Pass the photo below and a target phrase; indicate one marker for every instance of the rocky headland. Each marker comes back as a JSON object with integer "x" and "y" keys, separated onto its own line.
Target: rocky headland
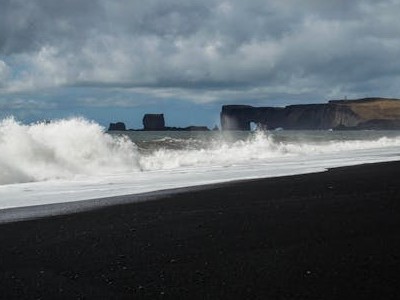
{"x": 360, "y": 114}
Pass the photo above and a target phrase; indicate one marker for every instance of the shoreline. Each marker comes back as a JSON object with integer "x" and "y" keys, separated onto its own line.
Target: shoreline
{"x": 47, "y": 210}
{"x": 329, "y": 235}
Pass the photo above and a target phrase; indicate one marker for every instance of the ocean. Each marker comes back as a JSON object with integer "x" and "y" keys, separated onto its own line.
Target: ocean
{"x": 76, "y": 159}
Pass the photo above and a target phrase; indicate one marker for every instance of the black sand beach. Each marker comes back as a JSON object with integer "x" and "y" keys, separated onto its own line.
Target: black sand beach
{"x": 330, "y": 235}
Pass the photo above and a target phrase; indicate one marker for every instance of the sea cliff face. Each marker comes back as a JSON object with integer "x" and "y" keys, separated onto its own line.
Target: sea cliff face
{"x": 367, "y": 113}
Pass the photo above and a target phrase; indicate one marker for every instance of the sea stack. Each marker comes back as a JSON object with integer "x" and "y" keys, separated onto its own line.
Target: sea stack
{"x": 153, "y": 122}
{"x": 119, "y": 126}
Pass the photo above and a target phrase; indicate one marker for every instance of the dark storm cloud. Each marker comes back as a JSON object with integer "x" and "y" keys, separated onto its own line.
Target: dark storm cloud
{"x": 29, "y": 25}
{"x": 205, "y": 50}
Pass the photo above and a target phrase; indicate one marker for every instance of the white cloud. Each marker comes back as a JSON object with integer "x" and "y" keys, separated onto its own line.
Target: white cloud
{"x": 203, "y": 50}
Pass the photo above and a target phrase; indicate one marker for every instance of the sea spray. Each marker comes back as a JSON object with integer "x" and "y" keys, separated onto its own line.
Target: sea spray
{"x": 61, "y": 149}
{"x": 90, "y": 163}
{"x": 257, "y": 147}
{"x": 218, "y": 152}
{"x": 77, "y": 148}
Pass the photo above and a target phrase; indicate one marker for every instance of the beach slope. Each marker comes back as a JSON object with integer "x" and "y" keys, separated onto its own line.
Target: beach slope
{"x": 330, "y": 235}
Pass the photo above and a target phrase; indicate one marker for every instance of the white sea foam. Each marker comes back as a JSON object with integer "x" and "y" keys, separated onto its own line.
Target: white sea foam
{"x": 259, "y": 147}
{"x": 74, "y": 159}
{"x": 218, "y": 153}
{"x": 61, "y": 150}
{"x": 65, "y": 149}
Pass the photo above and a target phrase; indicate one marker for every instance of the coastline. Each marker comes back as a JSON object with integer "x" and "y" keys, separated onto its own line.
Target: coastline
{"x": 332, "y": 234}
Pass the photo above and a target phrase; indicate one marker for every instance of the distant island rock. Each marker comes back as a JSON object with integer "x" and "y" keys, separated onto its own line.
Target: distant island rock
{"x": 119, "y": 126}
{"x": 359, "y": 114}
{"x": 153, "y": 122}
{"x": 156, "y": 122}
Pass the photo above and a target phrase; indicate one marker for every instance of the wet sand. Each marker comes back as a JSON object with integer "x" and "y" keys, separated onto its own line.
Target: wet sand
{"x": 331, "y": 235}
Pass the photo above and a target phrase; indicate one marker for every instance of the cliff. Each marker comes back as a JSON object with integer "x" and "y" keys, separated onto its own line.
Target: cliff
{"x": 367, "y": 113}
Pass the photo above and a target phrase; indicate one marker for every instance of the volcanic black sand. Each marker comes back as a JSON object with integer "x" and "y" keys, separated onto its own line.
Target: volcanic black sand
{"x": 330, "y": 235}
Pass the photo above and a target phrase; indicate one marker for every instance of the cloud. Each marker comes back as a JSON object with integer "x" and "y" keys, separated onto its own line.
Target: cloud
{"x": 202, "y": 51}
{"x": 24, "y": 104}
{"x": 4, "y": 73}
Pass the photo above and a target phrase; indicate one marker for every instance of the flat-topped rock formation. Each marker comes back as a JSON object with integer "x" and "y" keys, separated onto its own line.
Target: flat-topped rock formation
{"x": 367, "y": 113}
{"x": 153, "y": 122}
{"x": 119, "y": 126}
{"x": 156, "y": 122}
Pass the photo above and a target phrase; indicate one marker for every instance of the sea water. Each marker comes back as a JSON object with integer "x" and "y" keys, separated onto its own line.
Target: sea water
{"x": 76, "y": 159}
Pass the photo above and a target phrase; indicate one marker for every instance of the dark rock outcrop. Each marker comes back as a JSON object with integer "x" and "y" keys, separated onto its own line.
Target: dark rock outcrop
{"x": 189, "y": 128}
{"x": 153, "y": 122}
{"x": 156, "y": 122}
{"x": 368, "y": 113}
{"x": 196, "y": 128}
{"x": 119, "y": 126}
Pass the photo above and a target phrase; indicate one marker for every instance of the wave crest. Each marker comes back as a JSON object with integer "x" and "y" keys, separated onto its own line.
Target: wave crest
{"x": 61, "y": 149}
{"x": 68, "y": 149}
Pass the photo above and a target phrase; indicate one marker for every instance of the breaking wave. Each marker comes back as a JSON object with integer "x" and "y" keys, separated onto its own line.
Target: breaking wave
{"x": 60, "y": 150}
{"x": 260, "y": 147}
{"x": 67, "y": 149}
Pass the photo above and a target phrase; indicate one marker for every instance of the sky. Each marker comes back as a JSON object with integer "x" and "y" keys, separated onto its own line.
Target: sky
{"x": 115, "y": 60}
